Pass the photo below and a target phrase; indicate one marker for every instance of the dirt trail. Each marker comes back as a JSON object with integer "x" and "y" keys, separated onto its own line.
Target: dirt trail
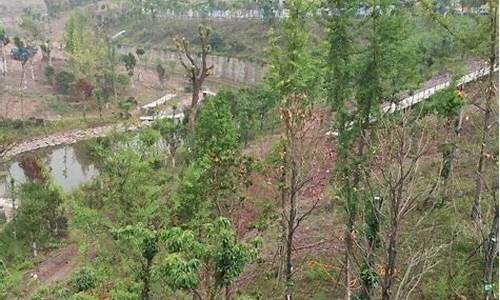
{"x": 54, "y": 268}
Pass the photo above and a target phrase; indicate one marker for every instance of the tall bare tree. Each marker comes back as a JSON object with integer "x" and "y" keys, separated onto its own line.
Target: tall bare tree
{"x": 195, "y": 70}
{"x": 293, "y": 77}
{"x": 490, "y": 239}
{"x": 397, "y": 188}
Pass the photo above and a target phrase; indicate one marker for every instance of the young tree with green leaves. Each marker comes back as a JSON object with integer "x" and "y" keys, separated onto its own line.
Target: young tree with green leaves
{"x": 85, "y": 61}
{"x": 40, "y": 214}
{"x": 384, "y": 67}
{"x": 146, "y": 242}
{"x": 293, "y": 77}
{"x": 339, "y": 88}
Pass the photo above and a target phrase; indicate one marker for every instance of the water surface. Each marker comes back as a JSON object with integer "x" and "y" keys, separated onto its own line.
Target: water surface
{"x": 69, "y": 167}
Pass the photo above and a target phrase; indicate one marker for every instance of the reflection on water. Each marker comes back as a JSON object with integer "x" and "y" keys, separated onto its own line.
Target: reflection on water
{"x": 69, "y": 167}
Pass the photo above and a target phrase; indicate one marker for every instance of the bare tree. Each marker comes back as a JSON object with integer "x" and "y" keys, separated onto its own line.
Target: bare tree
{"x": 487, "y": 109}
{"x": 397, "y": 179}
{"x": 197, "y": 72}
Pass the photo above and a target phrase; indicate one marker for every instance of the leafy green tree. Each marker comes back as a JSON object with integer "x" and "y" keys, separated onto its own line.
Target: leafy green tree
{"x": 217, "y": 170}
{"x": 252, "y": 108}
{"x": 147, "y": 243}
{"x": 130, "y": 62}
{"x": 99, "y": 97}
{"x": 219, "y": 253}
{"x": 386, "y": 68}
{"x": 490, "y": 239}
{"x": 40, "y": 215}
{"x": 78, "y": 35}
{"x": 210, "y": 188}
{"x": 129, "y": 187}
{"x": 215, "y": 135}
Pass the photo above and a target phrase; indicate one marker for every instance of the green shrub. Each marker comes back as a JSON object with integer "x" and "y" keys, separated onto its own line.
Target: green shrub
{"x": 84, "y": 279}
{"x": 123, "y": 295}
{"x": 125, "y": 291}
{"x": 50, "y": 74}
{"x": 64, "y": 81}
{"x": 216, "y": 41}
{"x": 81, "y": 296}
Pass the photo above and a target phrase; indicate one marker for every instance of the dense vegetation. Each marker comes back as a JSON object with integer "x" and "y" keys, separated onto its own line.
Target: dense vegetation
{"x": 301, "y": 187}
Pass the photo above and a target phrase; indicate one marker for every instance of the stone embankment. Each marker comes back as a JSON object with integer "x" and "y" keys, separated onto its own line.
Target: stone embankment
{"x": 74, "y": 136}
{"x": 65, "y": 138}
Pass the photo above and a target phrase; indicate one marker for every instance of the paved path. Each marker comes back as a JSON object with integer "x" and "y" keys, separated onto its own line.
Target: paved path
{"x": 427, "y": 93}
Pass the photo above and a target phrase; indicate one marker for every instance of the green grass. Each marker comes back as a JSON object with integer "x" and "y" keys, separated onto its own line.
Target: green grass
{"x": 56, "y": 105}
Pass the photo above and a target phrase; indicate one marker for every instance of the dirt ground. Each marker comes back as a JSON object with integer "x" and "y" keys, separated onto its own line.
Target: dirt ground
{"x": 55, "y": 267}
{"x": 41, "y": 100}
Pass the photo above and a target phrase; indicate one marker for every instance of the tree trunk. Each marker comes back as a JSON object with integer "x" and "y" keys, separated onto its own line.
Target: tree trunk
{"x": 4, "y": 61}
{"x": 23, "y": 83}
{"x": 23, "y": 79}
{"x": 173, "y": 161}
{"x": 348, "y": 253}
{"x": 35, "y": 250}
{"x": 2, "y": 64}
{"x": 196, "y": 295}
{"x": 292, "y": 215}
{"x": 32, "y": 70}
{"x": 283, "y": 221}
{"x": 391, "y": 263}
{"x": 146, "y": 280}
{"x": 194, "y": 106}
{"x": 476, "y": 208}
{"x": 490, "y": 254}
